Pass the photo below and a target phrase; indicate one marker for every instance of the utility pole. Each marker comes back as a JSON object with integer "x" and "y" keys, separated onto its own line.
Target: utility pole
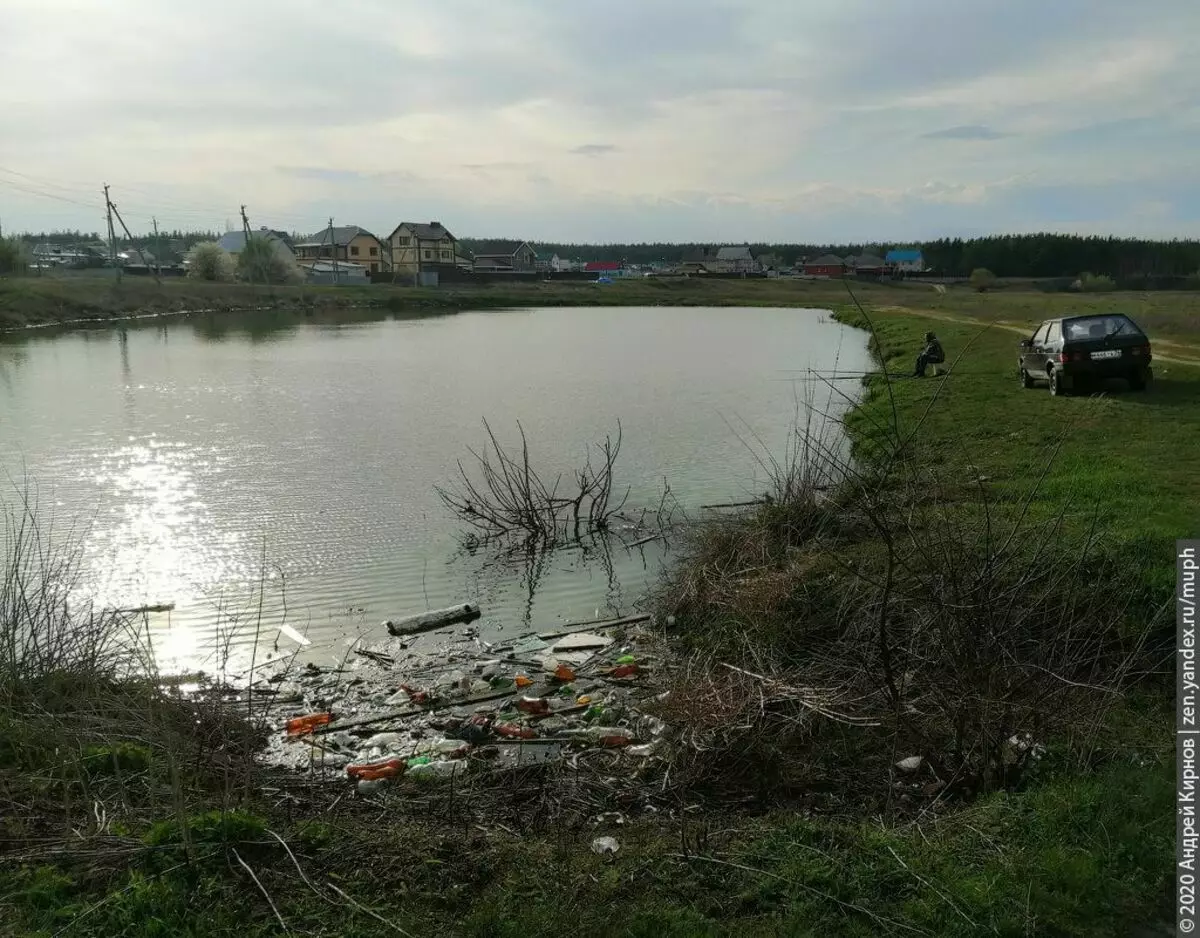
{"x": 246, "y": 246}
{"x": 112, "y": 235}
{"x": 333, "y": 241}
{"x": 157, "y": 250}
{"x": 113, "y": 209}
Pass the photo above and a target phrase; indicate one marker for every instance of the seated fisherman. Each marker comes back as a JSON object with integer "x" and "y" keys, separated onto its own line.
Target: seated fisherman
{"x": 932, "y": 354}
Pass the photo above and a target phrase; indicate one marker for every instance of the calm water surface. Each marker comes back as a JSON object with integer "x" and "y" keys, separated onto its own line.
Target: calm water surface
{"x": 195, "y": 454}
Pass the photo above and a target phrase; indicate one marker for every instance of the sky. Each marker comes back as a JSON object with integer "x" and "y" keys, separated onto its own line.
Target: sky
{"x": 624, "y": 120}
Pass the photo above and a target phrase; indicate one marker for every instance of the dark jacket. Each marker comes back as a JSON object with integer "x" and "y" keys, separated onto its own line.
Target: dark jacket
{"x": 933, "y": 352}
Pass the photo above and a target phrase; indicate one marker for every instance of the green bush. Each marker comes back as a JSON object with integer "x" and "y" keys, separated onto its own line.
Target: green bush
{"x": 982, "y": 279}
{"x": 1096, "y": 283}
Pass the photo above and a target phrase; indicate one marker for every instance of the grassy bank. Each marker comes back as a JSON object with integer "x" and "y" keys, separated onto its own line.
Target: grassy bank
{"x": 787, "y": 823}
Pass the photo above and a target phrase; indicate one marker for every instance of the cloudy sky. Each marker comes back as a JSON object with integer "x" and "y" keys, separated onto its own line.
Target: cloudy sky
{"x": 581, "y": 120}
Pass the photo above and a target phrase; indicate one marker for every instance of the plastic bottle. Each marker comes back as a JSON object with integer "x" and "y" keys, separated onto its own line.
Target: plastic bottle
{"x": 564, "y": 674}
{"x": 522, "y": 681}
{"x": 374, "y": 771}
{"x": 624, "y": 670}
{"x": 436, "y": 770}
{"x": 301, "y": 726}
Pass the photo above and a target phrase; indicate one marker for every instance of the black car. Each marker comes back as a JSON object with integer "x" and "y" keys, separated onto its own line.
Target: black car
{"x": 1080, "y": 353}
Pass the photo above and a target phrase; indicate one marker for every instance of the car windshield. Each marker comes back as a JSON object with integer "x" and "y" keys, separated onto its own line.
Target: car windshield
{"x": 1098, "y": 327}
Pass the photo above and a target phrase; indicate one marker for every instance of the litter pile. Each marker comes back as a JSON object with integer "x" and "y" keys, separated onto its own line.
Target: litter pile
{"x": 431, "y": 707}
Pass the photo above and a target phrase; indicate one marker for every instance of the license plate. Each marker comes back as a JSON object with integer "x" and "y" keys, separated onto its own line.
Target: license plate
{"x": 1110, "y": 353}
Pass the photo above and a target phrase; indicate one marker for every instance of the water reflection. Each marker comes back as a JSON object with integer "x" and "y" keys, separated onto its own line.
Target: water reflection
{"x": 155, "y": 542}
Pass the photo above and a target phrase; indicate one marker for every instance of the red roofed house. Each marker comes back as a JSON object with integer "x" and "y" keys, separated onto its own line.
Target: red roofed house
{"x": 596, "y": 267}
{"x": 827, "y": 265}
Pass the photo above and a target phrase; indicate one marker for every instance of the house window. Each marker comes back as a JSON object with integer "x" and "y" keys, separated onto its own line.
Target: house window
{"x": 404, "y": 241}
{"x": 428, "y": 255}
{"x": 374, "y": 252}
{"x": 445, "y": 255}
{"x": 354, "y": 251}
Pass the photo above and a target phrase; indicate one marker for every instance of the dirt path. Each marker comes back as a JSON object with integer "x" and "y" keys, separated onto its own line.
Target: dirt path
{"x": 1181, "y": 352}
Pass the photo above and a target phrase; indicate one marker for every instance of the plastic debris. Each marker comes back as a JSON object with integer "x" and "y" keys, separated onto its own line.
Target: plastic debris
{"x": 512, "y": 731}
{"x": 522, "y": 681}
{"x": 300, "y": 726}
{"x": 429, "y": 771}
{"x": 582, "y": 641}
{"x": 911, "y": 764}
{"x": 626, "y": 659}
{"x": 583, "y": 700}
{"x": 374, "y": 771}
{"x": 606, "y": 847}
{"x": 564, "y": 673}
{"x": 625, "y": 670}
{"x": 533, "y": 705}
{"x": 368, "y": 785}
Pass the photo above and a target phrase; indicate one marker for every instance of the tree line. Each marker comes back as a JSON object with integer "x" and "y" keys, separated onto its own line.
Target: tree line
{"x": 1130, "y": 261}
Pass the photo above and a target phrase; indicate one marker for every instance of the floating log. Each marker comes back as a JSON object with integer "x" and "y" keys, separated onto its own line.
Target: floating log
{"x": 434, "y": 619}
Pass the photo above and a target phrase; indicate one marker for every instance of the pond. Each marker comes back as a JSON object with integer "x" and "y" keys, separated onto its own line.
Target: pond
{"x": 228, "y": 462}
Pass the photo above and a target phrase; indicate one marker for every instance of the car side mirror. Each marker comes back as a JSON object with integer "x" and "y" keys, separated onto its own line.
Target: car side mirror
{"x": 1026, "y": 343}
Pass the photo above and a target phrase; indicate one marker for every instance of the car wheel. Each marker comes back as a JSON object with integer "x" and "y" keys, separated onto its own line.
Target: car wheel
{"x": 1056, "y": 387}
{"x": 1026, "y": 380}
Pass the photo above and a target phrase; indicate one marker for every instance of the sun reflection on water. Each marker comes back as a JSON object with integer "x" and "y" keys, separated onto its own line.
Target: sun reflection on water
{"x": 159, "y": 542}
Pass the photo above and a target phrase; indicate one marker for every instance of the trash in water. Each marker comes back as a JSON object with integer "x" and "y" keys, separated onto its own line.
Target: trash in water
{"x": 533, "y": 705}
{"x": 564, "y": 674}
{"x": 522, "y": 681}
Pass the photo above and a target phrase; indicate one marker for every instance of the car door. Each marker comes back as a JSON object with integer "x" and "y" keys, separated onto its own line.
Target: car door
{"x": 1053, "y": 344}
{"x": 1032, "y": 359}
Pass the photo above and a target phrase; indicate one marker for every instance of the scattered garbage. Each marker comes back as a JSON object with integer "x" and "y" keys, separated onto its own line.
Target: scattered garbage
{"x": 426, "y": 707}
{"x": 911, "y": 764}
{"x": 606, "y": 847}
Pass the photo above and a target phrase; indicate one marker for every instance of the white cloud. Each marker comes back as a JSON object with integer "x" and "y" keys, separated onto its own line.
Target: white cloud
{"x": 792, "y": 119}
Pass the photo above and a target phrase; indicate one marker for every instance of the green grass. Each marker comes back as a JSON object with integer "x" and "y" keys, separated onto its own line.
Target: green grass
{"x": 1127, "y": 458}
{"x": 1071, "y": 856}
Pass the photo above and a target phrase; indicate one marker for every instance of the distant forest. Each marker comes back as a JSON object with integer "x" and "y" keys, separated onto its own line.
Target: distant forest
{"x": 1128, "y": 260}
{"x": 1032, "y": 255}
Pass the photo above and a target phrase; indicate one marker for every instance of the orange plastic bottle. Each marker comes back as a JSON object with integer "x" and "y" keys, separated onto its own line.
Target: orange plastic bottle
{"x": 371, "y": 771}
{"x": 301, "y": 726}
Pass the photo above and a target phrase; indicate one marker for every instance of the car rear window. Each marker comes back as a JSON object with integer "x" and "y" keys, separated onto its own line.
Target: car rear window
{"x": 1097, "y": 327}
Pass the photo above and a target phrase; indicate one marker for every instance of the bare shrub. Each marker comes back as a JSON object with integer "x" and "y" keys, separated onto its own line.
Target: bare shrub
{"x": 506, "y": 496}
{"x": 262, "y": 260}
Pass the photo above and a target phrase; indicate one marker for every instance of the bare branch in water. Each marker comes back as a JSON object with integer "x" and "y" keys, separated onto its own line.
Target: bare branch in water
{"x": 505, "y": 496}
